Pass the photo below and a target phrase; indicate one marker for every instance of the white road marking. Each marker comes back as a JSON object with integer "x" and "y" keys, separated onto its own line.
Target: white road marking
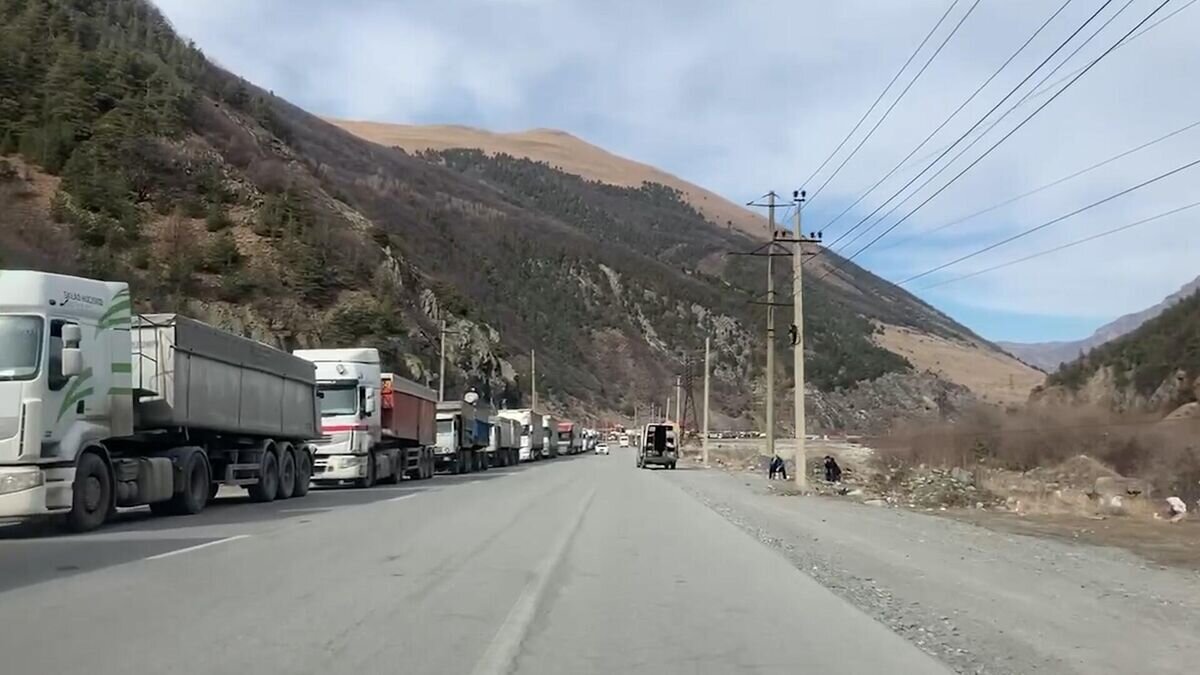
{"x": 401, "y": 498}
{"x": 500, "y": 654}
{"x": 197, "y": 547}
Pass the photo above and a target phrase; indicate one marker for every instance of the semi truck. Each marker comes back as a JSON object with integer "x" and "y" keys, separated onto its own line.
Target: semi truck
{"x": 504, "y": 448}
{"x": 457, "y": 449}
{"x": 549, "y": 436}
{"x": 375, "y": 426}
{"x": 570, "y": 439}
{"x": 531, "y": 438}
{"x": 100, "y": 409}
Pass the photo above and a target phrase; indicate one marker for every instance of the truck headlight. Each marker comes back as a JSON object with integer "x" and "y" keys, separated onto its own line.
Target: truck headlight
{"x": 20, "y": 480}
{"x": 348, "y": 462}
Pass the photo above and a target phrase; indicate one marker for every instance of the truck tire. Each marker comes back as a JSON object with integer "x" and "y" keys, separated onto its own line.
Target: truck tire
{"x": 91, "y": 493}
{"x": 303, "y": 473}
{"x": 267, "y": 487}
{"x": 369, "y": 481}
{"x": 287, "y": 472}
{"x": 196, "y": 481}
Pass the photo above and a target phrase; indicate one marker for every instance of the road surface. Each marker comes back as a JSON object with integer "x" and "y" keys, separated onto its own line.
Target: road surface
{"x": 575, "y": 565}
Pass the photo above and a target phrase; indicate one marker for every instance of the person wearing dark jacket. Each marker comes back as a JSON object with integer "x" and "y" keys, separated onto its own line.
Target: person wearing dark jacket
{"x": 777, "y": 468}
{"x": 833, "y": 472}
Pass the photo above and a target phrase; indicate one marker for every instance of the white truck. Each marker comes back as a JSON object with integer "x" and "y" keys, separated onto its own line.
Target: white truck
{"x": 375, "y": 427}
{"x": 458, "y": 447}
{"x": 504, "y": 448}
{"x": 100, "y": 409}
{"x": 550, "y": 436}
{"x": 532, "y": 438}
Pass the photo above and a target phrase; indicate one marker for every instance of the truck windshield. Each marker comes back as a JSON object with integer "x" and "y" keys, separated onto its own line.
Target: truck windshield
{"x": 445, "y": 427}
{"x": 20, "y": 347}
{"x": 338, "y": 399}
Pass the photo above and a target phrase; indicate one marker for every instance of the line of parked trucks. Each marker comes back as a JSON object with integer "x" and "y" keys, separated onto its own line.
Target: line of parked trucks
{"x": 101, "y": 408}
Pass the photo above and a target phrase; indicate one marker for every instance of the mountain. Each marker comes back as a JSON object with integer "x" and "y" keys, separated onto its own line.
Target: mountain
{"x": 1154, "y": 368}
{"x": 561, "y": 151}
{"x": 1049, "y": 355}
{"x": 126, "y": 154}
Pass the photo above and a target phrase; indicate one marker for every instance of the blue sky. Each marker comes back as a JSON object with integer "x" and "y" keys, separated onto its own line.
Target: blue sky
{"x": 743, "y": 97}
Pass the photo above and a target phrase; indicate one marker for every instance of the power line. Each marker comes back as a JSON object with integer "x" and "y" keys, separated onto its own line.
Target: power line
{"x": 1042, "y": 188}
{"x": 900, "y": 97}
{"x": 883, "y": 93}
{"x": 978, "y": 122}
{"x": 1003, "y": 138}
{"x": 989, "y": 128}
{"x": 946, "y": 121}
{"x": 1061, "y": 247}
{"x": 1038, "y": 228}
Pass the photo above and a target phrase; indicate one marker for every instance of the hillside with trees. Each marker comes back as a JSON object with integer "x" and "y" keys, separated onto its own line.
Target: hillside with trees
{"x": 128, "y": 155}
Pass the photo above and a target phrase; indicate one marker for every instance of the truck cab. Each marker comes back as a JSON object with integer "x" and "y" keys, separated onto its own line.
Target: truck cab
{"x": 456, "y": 443}
{"x": 64, "y": 383}
{"x": 658, "y": 446}
{"x": 348, "y": 386}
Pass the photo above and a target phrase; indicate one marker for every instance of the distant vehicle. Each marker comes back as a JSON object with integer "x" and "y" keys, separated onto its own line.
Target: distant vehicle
{"x": 623, "y": 440}
{"x": 602, "y": 448}
{"x": 658, "y": 446}
{"x": 531, "y": 438}
{"x": 460, "y": 446}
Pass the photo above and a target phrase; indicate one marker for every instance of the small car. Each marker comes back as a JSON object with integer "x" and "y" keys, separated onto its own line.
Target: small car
{"x": 602, "y": 448}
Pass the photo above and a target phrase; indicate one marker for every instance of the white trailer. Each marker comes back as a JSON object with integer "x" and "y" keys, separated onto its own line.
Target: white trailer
{"x": 530, "y": 434}
{"x": 357, "y": 444}
{"x": 100, "y": 410}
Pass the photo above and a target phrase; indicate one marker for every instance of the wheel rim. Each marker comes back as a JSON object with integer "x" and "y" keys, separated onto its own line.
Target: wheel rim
{"x": 93, "y": 490}
{"x": 288, "y": 473}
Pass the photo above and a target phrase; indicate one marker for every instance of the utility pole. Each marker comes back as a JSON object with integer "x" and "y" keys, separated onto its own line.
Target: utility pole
{"x": 533, "y": 377}
{"x": 704, "y": 431}
{"x": 771, "y": 330}
{"x": 667, "y": 411}
{"x": 442, "y": 366}
{"x": 797, "y": 333}
{"x": 679, "y": 403}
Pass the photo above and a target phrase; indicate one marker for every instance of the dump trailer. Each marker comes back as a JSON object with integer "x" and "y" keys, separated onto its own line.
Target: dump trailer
{"x": 531, "y": 439}
{"x": 99, "y": 409}
{"x": 504, "y": 449}
{"x": 364, "y": 437}
{"x": 568, "y": 438}
{"x": 456, "y": 448}
{"x": 483, "y": 437}
{"x": 550, "y": 434}
{"x": 409, "y": 422}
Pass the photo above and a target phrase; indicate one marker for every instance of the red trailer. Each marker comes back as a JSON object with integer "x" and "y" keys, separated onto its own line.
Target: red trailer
{"x": 409, "y": 420}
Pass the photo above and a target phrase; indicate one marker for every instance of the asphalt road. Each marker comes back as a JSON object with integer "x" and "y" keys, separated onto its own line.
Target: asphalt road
{"x": 576, "y": 565}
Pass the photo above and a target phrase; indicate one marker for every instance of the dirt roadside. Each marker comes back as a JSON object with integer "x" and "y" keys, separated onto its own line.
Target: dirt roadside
{"x": 983, "y": 600}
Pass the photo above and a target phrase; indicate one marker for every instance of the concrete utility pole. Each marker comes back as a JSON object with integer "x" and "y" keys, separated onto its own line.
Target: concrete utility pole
{"x": 797, "y": 332}
{"x": 771, "y": 329}
{"x": 533, "y": 378}
{"x": 679, "y": 402}
{"x": 667, "y": 411}
{"x": 442, "y": 367}
{"x": 704, "y": 431}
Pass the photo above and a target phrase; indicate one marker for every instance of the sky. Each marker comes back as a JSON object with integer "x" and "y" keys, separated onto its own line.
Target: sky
{"x": 746, "y": 97}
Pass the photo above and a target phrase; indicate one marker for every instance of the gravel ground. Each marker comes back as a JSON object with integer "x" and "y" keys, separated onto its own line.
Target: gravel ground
{"x": 982, "y": 601}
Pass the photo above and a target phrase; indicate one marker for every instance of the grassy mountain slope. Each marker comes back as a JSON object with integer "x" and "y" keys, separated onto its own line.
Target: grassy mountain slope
{"x": 562, "y": 151}
{"x": 133, "y": 157}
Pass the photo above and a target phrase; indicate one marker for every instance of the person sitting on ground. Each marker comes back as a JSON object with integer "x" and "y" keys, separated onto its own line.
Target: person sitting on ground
{"x": 833, "y": 472}
{"x": 778, "y": 468}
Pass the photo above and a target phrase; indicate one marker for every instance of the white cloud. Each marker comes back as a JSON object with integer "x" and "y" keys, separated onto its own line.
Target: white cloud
{"x": 743, "y": 97}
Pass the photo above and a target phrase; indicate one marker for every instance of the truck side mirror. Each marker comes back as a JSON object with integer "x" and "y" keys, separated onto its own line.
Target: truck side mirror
{"x": 72, "y": 361}
{"x": 370, "y": 403}
{"x": 71, "y": 335}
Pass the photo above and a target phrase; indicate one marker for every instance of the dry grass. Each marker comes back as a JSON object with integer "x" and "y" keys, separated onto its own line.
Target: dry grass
{"x": 991, "y": 374}
{"x": 1164, "y": 454}
{"x": 562, "y": 151}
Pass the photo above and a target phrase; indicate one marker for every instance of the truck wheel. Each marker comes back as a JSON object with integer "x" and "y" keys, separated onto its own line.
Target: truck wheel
{"x": 197, "y": 480}
{"x": 267, "y": 486}
{"x": 369, "y": 481}
{"x": 91, "y": 494}
{"x": 397, "y": 467}
{"x": 287, "y": 473}
{"x": 303, "y": 473}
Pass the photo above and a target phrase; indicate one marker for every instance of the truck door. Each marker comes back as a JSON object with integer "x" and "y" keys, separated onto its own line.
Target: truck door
{"x": 67, "y": 398}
